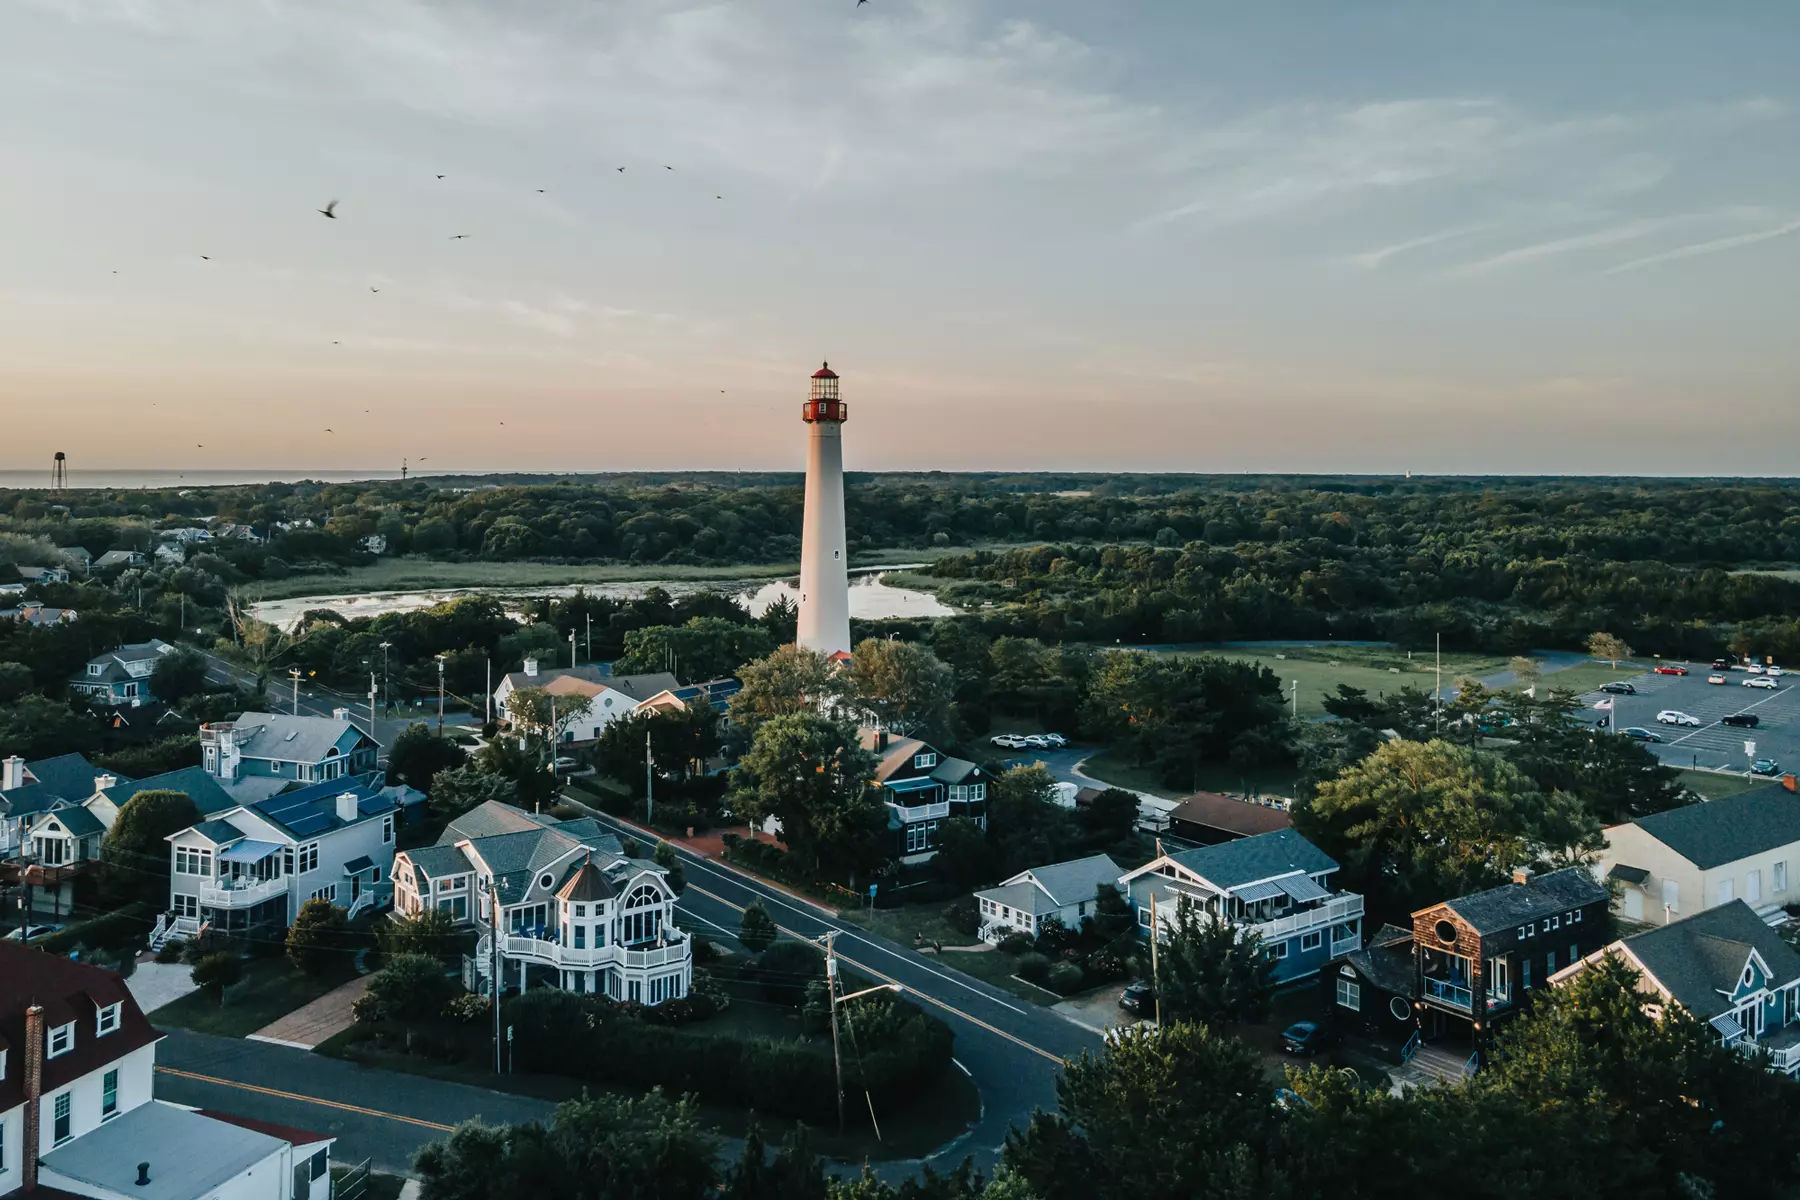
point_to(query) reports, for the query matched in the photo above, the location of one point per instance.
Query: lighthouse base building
(824, 551)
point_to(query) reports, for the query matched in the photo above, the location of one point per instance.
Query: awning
(1250, 893)
(358, 865)
(1302, 889)
(1625, 874)
(248, 851)
(913, 785)
(1728, 1028)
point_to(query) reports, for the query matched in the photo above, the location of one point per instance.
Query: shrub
(194, 951)
(1063, 978)
(1032, 966)
(1015, 942)
(1053, 937)
(467, 1008)
(316, 938)
(171, 951)
(216, 972)
(1103, 965)
(705, 950)
(126, 928)
(963, 916)
(756, 930)
(785, 969)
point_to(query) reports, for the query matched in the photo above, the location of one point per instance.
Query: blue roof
(195, 782)
(1266, 856)
(67, 775)
(311, 810)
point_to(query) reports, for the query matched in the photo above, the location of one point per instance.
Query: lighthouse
(824, 576)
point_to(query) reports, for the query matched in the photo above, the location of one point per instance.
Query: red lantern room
(824, 404)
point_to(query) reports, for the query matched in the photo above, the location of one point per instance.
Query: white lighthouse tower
(824, 575)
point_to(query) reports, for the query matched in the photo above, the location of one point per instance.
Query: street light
(387, 705)
(440, 663)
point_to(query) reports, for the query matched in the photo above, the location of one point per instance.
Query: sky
(1497, 236)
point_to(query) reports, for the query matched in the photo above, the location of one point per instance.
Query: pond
(871, 597)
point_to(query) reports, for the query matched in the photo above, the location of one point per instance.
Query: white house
(77, 1116)
(1064, 890)
(573, 911)
(610, 696)
(1674, 864)
(250, 868)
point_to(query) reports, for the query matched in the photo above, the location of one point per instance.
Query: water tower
(59, 472)
(824, 568)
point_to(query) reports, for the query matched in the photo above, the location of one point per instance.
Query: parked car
(1057, 741)
(1761, 681)
(1668, 670)
(1754, 668)
(1672, 716)
(1619, 689)
(1138, 997)
(1721, 664)
(25, 933)
(1715, 679)
(1306, 1038)
(1773, 671)
(1765, 766)
(1742, 720)
(1637, 734)
(1037, 741)
(1007, 741)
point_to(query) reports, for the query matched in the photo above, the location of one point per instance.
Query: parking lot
(1712, 744)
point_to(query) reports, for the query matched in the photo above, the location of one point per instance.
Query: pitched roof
(1230, 815)
(899, 753)
(68, 775)
(30, 799)
(1389, 966)
(291, 738)
(1022, 896)
(1247, 860)
(198, 785)
(217, 832)
(312, 810)
(68, 991)
(1513, 904)
(1078, 879)
(1698, 959)
(519, 679)
(488, 819)
(954, 770)
(587, 882)
(436, 862)
(1715, 832)
(116, 662)
(77, 820)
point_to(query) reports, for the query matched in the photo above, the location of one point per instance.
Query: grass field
(1585, 677)
(1375, 669)
(1713, 786)
(270, 988)
(1108, 768)
(423, 574)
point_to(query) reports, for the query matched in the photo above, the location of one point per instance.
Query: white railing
(543, 950)
(1345, 907)
(365, 900)
(1339, 948)
(1450, 993)
(921, 812)
(241, 893)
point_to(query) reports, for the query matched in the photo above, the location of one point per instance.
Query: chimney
(1788, 782)
(143, 1179)
(531, 667)
(12, 773)
(1521, 875)
(881, 739)
(346, 807)
(102, 782)
(341, 714)
(34, 1088)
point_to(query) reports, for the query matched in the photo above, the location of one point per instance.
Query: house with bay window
(1726, 967)
(247, 870)
(1067, 891)
(923, 788)
(557, 904)
(280, 749)
(1278, 885)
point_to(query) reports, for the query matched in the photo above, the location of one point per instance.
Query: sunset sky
(1533, 236)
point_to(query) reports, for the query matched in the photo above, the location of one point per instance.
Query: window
(1575, 917)
(643, 916)
(61, 1128)
(927, 759)
(1349, 995)
(1277, 950)
(1671, 895)
(328, 892)
(1552, 923)
(320, 1162)
(1550, 963)
(2, 1149)
(287, 861)
(1144, 917)
(1525, 972)
(581, 910)
(62, 1039)
(1574, 953)
(1311, 941)
(1722, 893)
(387, 829)
(96, 668)
(309, 857)
(919, 836)
(1528, 931)
(187, 905)
(581, 937)
(1753, 886)
(106, 1020)
(109, 1094)
(1778, 878)
(1081, 908)
(375, 875)
(191, 860)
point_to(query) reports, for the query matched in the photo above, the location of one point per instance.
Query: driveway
(155, 984)
(312, 1023)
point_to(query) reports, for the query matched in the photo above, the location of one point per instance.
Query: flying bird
(327, 210)
(440, 176)
(458, 236)
(204, 258)
(374, 289)
(540, 191)
(328, 431)
(667, 167)
(718, 197)
(621, 170)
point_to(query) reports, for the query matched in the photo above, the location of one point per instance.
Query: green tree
(316, 939)
(177, 675)
(1612, 649)
(525, 769)
(666, 858)
(1111, 817)
(756, 929)
(15, 681)
(1174, 714)
(902, 687)
(134, 855)
(213, 973)
(790, 681)
(430, 932)
(812, 775)
(963, 858)
(1026, 827)
(33, 727)
(459, 789)
(702, 649)
(410, 989)
(417, 755)
(543, 716)
(1211, 971)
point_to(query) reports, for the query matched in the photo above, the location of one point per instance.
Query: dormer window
(62, 1039)
(96, 668)
(106, 1020)
(922, 761)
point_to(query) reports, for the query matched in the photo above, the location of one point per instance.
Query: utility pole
(294, 674)
(1155, 978)
(831, 984)
(552, 738)
(372, 736)
(571, 649)
(487, 887)
(440, 663)
(387, 703)
(487, 699)
(1294, 687)
(649, 778)
(1438, 693)
(590, 637)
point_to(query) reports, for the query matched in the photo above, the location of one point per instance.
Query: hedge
(115, 929)
(587, 1037)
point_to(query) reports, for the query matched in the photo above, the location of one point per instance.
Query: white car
(1037, 741)
(1773, 672)
(1670, 716)
(1754, 668)
(1057, 741)
(1762, 681)
(1007, 741)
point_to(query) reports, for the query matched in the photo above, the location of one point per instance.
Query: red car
(1670, 671)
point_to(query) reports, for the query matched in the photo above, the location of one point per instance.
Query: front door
(1634, 904)
(355, 887)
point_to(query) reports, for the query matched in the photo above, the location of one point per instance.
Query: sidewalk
(312, 1023)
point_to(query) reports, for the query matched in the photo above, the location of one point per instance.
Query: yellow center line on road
(864, 967)
(338, 1104)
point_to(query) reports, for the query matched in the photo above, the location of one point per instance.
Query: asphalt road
(1712, 745)
(1010, 1048)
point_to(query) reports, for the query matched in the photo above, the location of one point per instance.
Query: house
(45, 861)
(1277, 885)
(170, 554)
(1065, 890)
(28, 789)
(716, 694)
(922, 787)
(42, 574)
(246, 871)
(1375, 991)
(1478, 957)
(1726, 967)
(118, 560)
(145, 723)
(121, 676)
(1677, 863)
(572, 911)
(1210, 818)
(77, 1115)
(610, 696)
(39, 615)
(289, 748)
(110, 794)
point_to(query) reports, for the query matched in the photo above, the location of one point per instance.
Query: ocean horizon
(154, 477)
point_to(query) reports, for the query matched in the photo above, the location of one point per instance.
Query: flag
(1605, 705)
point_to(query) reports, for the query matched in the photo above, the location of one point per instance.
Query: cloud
(1714, 246)
(1627, 231)
(1373, 259)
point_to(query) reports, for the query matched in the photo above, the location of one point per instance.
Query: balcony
(543, 950)
(921, 812)
(1347, 906)
(1453, 994)
(227, 892)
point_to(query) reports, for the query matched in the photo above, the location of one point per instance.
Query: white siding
(135, 1075)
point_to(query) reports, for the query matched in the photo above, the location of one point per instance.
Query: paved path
(312, 1023)
(381, 1115)
(155, 984)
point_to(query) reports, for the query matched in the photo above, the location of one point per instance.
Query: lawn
(420, 574)
(1710, 785)
(1108, 767)
(1377, 670)
(1585, 677)
(271, 988)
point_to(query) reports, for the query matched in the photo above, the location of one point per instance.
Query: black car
(1619, 689)
(1721, 664)
(1306, 1038)
(1637, 734)
(1742, 720)
(1138, 997)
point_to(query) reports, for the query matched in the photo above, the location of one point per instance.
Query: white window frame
(925, 760)
(60, 1041)
(387, 829)
(1778, 878)
(106, 1020)
(1349, 994)
(308, 857)
(1753, 886)
(62, 1111)
(185, 904)
(1723, 892)
(1316, 937)
(109, 1091)
(1277, 950)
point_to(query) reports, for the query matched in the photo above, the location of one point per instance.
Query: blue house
(1726, 967)
(1276, 884)
(290, 749)
(121, 678)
